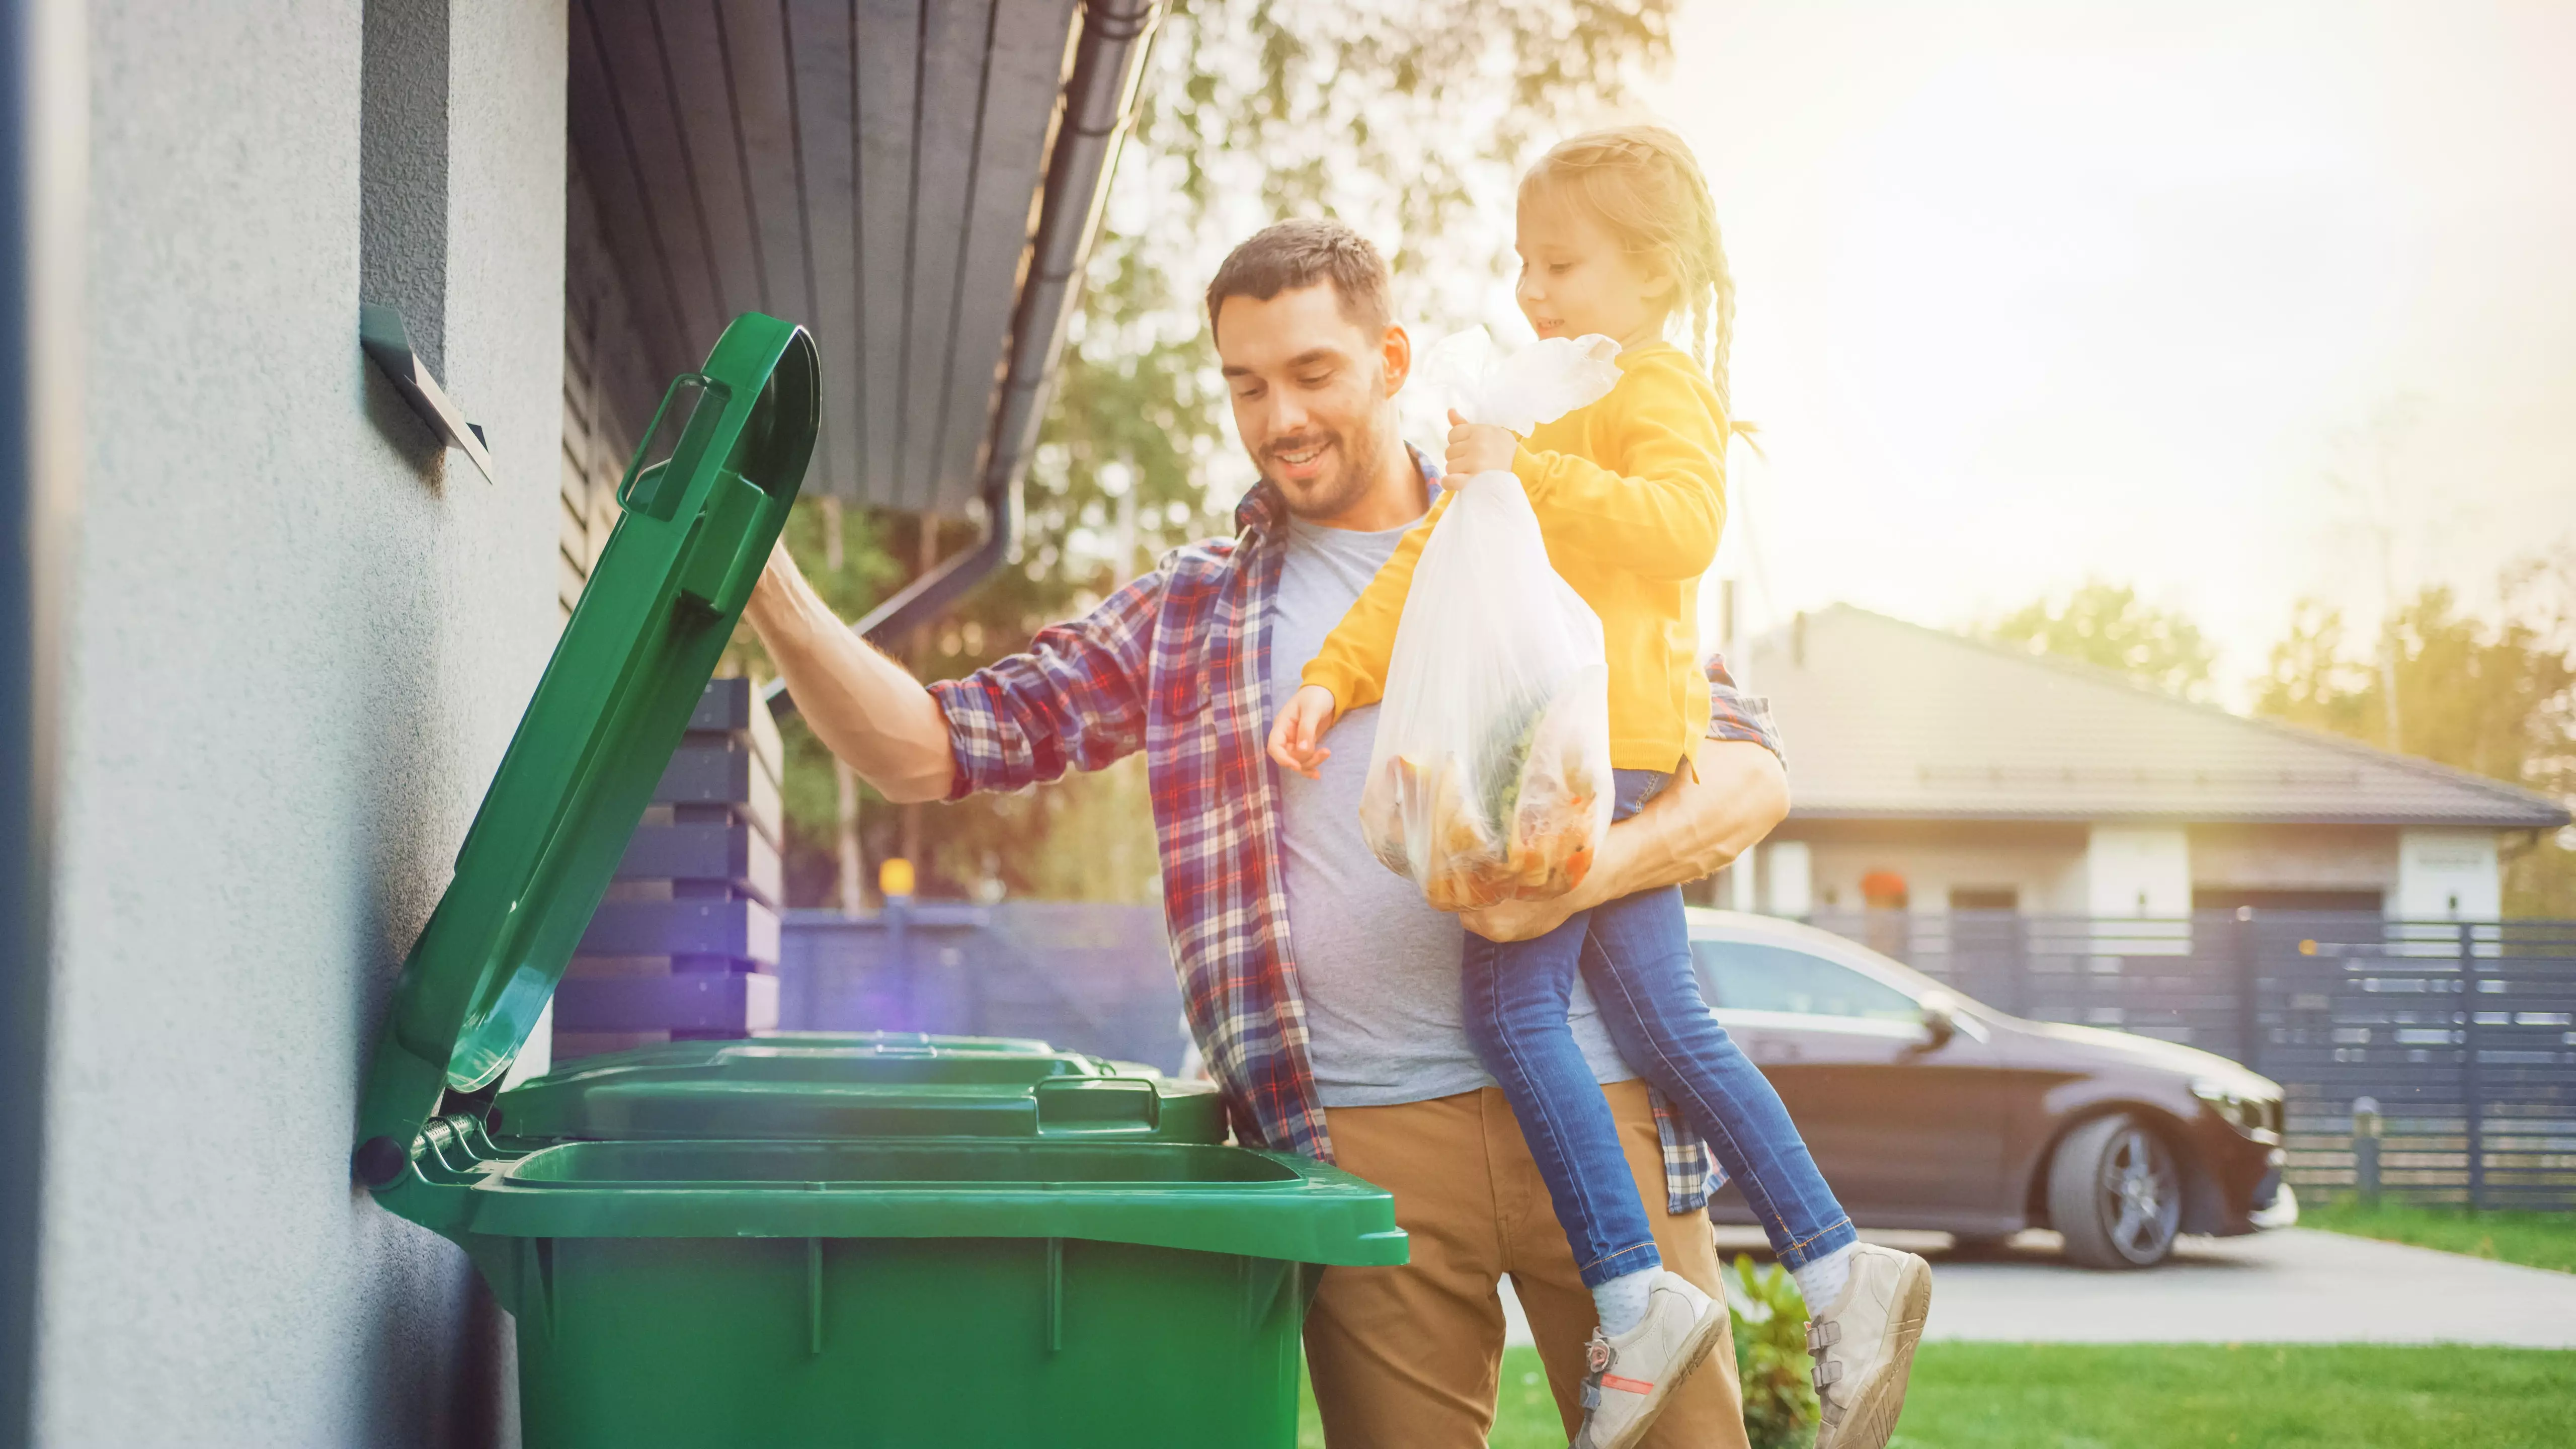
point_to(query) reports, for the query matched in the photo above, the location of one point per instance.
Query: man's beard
(1361, 454)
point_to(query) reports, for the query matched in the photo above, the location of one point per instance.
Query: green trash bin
(805, 1241)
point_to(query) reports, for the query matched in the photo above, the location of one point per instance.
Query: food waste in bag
(1519, 819)
(1490, 778)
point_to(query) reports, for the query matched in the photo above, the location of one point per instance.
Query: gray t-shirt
(1377, 966)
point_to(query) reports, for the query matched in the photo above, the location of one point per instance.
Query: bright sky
(2035, 291)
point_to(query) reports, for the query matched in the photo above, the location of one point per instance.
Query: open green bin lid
(857, 1085)
(705, 498)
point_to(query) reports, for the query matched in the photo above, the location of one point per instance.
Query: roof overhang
(1888, 721)
(918, 183)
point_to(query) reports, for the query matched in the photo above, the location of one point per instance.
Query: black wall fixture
(382, 333)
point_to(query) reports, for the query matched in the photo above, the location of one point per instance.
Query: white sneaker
(1626, 1379)
(1864, 1346)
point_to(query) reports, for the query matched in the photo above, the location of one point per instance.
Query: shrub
(1771, 1355)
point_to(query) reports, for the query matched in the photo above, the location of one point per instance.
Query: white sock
(1622, 1301)
(1821, 1282)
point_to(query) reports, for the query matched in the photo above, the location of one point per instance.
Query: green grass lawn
(2315, 1396)
(2539, 1240)
(2080, 1396)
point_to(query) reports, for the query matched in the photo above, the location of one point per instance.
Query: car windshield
(1746, 976)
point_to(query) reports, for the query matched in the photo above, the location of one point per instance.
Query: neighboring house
(1937, 773)
(298, 625)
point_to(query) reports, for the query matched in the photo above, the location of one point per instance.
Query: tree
(2107, 625)
(1409, 120)
(2494, 698)
(2313, 680)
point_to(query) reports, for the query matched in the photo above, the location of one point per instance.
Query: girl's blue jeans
(1635, 952)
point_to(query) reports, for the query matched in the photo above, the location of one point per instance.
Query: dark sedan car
(1927, 1110)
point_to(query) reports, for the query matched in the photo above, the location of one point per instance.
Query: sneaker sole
(1875, 1408)
(1695, 1351)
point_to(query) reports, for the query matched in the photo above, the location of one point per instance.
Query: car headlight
(2257, 1119)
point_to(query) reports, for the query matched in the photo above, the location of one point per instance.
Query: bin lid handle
(1088, 1105)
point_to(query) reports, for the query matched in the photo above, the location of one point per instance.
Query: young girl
(1617, 236)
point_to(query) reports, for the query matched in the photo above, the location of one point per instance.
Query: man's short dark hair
(1289, 255)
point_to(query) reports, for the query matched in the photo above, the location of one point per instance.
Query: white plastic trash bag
(1515, 390)
(1491, 775)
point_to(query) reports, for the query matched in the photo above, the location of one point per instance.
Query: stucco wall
(2448, 875)
(2294, 857)
(2055, 870)
(297, 655)
(2044, 864)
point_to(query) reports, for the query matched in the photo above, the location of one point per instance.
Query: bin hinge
(428, 1182)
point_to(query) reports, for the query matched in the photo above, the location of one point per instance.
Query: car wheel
(2115, 1194)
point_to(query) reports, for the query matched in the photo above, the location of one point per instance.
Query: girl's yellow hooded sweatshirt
(1630, 494)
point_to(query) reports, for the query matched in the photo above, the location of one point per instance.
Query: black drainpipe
(1109, 61)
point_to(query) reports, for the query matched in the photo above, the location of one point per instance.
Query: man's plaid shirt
(1175, 664)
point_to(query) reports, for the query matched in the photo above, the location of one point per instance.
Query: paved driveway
(2297, 1285)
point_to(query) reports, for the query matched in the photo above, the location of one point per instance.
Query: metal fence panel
(2463, 1032)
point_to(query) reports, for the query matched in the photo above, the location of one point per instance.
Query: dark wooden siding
(866, 167)
(607, 392)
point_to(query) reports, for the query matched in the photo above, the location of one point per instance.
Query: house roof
(876, 172)
(1888, 720)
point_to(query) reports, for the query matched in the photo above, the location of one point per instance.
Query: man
(1322, 990)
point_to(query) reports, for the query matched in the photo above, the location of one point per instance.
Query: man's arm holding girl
(1695, 826)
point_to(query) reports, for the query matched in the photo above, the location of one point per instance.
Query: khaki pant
(1409, 1358)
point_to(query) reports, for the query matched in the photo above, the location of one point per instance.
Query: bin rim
(1296, 1209)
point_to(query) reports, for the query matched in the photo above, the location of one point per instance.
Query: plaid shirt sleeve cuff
(975, 737)
(1735, 715)
(1073, 700)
